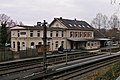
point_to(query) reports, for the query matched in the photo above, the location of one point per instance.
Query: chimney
(75, 19)
(38, 23)
(60, 17)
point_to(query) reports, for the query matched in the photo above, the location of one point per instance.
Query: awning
(103, 39)
(79, 39)
(83, 39)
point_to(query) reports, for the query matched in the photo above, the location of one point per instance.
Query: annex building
(71, 34)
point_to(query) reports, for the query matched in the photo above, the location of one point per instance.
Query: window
(38, 34)
(79, 26)
(90, 34)
(56, 33)
(32, 43)
(51, 34)
(88, 43)
(62, 43)
(13, 44)
(95, 44)
(31, 33)
(23, 44)
(91, 44)
(75, 34)
(22, 33)
(79, 34)
(48, 43)
(39, 43)
(71, 34)
(70, 25)
(56, 44)
(84, 34)
(62, 33)
(75, 25)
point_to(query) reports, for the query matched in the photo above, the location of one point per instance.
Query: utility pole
(44, 45)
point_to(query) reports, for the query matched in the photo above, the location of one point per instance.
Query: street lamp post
(44, 45)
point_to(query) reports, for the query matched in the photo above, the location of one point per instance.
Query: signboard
(40, 49)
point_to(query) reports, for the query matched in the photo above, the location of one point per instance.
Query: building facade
(71, 34)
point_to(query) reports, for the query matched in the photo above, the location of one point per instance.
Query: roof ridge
(70, 19)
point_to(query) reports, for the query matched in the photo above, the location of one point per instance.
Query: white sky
(31, 11)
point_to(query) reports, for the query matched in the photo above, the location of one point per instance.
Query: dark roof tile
(81, 25)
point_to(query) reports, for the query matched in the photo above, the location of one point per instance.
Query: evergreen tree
(3, 34)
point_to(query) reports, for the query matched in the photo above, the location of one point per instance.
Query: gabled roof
(24, 27)
(17, 27)
(78, 25)
(73, 24)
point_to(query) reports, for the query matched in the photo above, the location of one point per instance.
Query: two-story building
(71, 34)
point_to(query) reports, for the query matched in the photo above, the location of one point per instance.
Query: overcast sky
(31, 11)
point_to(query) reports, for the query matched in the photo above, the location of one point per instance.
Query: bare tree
(6, 19)
(114, 21)
(100, 21)
(105, 22)
(112, 1)
(97, 21)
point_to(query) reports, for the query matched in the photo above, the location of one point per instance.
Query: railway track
(73, 73)
(14, 67)
(66, 72)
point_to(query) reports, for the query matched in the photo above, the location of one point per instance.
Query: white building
(71, 34)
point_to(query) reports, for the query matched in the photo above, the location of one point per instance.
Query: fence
(28, 53)
(6, 54)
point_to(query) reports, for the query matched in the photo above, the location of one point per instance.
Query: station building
(71, 34)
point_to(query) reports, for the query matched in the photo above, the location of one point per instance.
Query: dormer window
(79, 25)
(75, 25)
(83, 26)
(88, 26)
(70, 25)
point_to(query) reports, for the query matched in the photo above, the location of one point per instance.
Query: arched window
(31, 33)
(71, 34)
(62, 43)
(88, 43)
(38, 33)
(39, 43)
(51, 34)
(13, 44)
(48, 43)
(56, 33)
(62, 33)
(56, 44)
(32, 43)
(23, 44)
